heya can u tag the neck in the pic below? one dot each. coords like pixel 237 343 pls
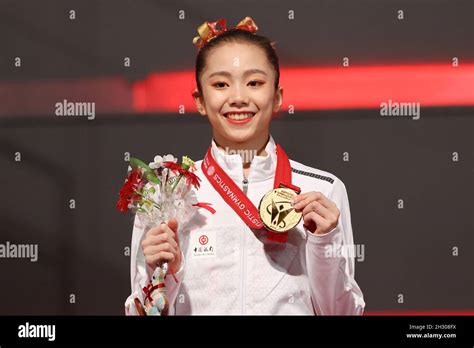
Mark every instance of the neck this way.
pixel 247 150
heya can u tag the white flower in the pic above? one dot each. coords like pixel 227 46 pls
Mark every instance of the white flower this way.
pixel 170 158
pixel 158 161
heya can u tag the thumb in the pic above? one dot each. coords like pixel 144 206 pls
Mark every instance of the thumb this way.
pixel 173 224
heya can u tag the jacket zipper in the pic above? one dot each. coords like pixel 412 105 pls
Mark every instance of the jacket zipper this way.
pixel 245 184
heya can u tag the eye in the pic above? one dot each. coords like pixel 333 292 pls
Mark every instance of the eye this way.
pixel 219 84
pixel 255 83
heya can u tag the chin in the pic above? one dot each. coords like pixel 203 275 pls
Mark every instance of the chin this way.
pixel 240 136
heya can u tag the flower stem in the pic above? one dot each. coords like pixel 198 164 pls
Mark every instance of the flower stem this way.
pixel 176 182
pixel 146 199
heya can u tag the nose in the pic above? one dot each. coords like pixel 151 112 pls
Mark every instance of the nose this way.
pixel 238 97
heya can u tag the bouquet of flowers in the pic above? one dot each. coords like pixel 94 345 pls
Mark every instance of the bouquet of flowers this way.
pixel 155 193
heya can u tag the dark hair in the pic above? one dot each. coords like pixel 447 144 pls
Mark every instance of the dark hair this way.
pixel 238 35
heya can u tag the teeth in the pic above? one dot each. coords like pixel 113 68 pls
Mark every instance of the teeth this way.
pixel 240 116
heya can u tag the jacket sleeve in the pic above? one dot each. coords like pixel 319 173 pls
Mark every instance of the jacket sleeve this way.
pixel 140 273
pixel 330 263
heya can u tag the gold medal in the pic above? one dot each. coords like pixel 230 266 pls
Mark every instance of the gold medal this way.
pixel 277 212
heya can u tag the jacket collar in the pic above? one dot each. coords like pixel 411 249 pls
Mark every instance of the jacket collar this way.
pixel 261 167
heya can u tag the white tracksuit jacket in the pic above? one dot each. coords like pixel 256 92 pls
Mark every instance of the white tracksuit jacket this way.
pixel 245 273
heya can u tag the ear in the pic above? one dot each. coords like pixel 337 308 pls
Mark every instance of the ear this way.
pixel 199 101
pixel 278 100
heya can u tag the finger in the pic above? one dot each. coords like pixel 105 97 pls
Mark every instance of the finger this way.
pixel 314 218
pixel 156 259
pixel 315 196
pixel 159 239
pixel 169 231
pixel 173 225
pixel 153 239
pixel 326 202
pixel 332 208
pixel 156 249
pixel 300 197
pixel 169 238
pixel 305 199
pixel 156 230
pixel 318 208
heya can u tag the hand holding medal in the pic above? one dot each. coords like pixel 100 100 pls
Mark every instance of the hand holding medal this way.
pixel 320 214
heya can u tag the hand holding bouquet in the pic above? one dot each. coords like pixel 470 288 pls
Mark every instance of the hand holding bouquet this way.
pixel 160 194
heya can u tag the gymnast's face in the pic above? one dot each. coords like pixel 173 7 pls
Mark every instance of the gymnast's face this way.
pixel 238 94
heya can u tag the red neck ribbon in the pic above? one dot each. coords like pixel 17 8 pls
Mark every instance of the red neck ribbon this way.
pixel 237 200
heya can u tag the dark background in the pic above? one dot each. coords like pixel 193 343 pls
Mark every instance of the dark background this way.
pixel 81 251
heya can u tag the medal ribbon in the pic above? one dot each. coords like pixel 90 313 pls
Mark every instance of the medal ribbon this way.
pixel 237 200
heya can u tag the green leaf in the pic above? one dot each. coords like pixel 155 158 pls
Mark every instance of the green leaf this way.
pixel 147 171
pixel 152 177
pixel 136 163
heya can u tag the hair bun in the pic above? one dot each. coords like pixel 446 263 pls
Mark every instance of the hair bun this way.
pixel 210 30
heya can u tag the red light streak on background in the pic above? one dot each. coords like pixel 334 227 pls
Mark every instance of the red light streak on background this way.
pixel 324 88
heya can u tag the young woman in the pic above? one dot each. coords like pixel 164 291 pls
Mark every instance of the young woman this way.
pixel 284 257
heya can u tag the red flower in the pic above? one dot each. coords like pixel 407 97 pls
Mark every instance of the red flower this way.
pixel 175 167
pixel 133 183
pixel 191 178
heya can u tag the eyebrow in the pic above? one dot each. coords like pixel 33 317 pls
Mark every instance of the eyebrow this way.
pixel 247 72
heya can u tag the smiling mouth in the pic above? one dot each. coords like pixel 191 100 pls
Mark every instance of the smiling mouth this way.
pixel 239 116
